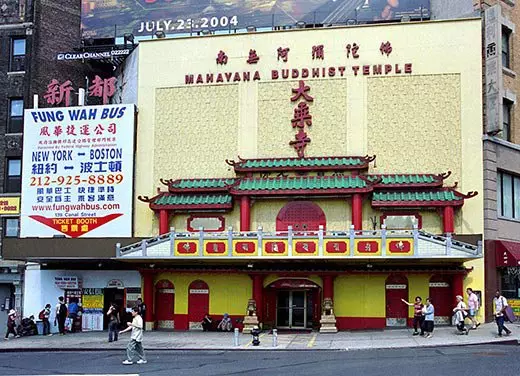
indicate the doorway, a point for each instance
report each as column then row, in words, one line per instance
column 303, row 216
column 396, row 288
column 117, row 296
column 292, row 309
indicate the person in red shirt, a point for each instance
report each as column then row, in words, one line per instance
column 418, row 317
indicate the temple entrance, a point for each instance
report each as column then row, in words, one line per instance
column 302, row 216
column 442, row 298
column 164, row 304
column 295, row 304
column 396, row 288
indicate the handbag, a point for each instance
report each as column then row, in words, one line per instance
column 508, row 312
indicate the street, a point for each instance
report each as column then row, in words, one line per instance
column 470, row 360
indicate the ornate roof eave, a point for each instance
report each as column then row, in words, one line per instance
column 237, row 165
column 172, row 189
column 204, row 207
column 427, row 204
column 437, row 183
column 299, row 192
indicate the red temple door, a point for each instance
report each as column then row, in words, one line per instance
column 396, row 288
column 442, row 299
column 164, row 304
column 302, row 216
column 198, row 303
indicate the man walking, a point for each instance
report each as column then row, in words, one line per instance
column 500, row 304
column 135, row 347
column 473, row 307
column 61, row 315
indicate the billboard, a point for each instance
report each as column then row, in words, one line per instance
column 104, row 18
column 77, row 172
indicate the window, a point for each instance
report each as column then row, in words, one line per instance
column 15, row 119
column 506, row 57
column 508, row 196
column 14, row 175
column 507, row 106
column 11, row 227
column 17, row 55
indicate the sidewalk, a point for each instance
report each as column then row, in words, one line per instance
column 342, row 341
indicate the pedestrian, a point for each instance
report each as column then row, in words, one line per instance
column 142, row 309
column 225, row 324
column 44, row 315
column 206, row 323
column 61, row 315
column 73, row 310
column 135, row 346
column 418, row 317
column 500, row 304
column 429, row 315
column 11, row 325
column 473, row 307
column 460, row 315
column 113, row 322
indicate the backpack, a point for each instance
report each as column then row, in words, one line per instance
column 41, row 315
column 63, row 310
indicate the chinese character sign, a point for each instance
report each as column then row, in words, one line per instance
column 78, row 171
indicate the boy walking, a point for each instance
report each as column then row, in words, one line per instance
column 135, row 347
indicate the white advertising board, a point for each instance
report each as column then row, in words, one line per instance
column 77, row 172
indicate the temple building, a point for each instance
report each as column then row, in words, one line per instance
column 293, row 167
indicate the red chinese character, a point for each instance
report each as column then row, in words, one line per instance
column 302, row 116
column 283, row 53
column 318, row 52
column 386, row 48
column 354, row 48
column 84, row 130
column 99, row 129
column 102, row 88
column 222, row 58
column 56, row 93
column 57, row 130
column 301, row 91
column 71, row 131
column 300, row 143
column 253, row 57
column 112, row 128
column 44, row 131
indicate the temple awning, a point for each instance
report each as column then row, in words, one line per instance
column 301, row 164
column 507, row 253
column 388, row 181
column 443, row 197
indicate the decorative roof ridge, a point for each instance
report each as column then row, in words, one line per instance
column 367, row 158
column 466, row 196
column 150, row 199
column 249, row 178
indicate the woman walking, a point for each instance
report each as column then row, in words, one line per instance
column 113, row 322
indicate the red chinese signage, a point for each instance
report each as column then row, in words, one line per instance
column 301, row 118
column 59, row 93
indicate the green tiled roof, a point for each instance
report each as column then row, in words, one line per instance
column 301, row 162
column 301, row 183
column 445, row 196
column 182, row 200
column 406, row 179
column 200, row 183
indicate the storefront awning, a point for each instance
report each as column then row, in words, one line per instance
column 507, row 253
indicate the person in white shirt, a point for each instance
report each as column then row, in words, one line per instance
column 135, row 347
column 500, row 304
column 460, row 315
column 473, row 306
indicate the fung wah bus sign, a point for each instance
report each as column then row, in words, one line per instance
column 77, row 172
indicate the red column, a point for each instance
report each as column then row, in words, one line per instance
column 448, row 220
column 357, row 211
column 164, row 225
column 457, row 286
column 148, row 278
column 258, row 294
column 245, row 213
column 328, row 286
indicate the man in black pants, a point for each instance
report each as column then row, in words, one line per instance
column 61, row 315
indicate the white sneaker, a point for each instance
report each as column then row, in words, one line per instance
column 127, row 362
column 142, row 361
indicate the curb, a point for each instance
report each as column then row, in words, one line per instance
column 508, row 342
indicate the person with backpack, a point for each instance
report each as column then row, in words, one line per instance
column 44, row 316
column 500, row 304
column 11, row 325
column 61, row 315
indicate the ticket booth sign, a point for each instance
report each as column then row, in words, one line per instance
column 336, row 247
column 275, row 248
column 244, row 248
column 215, row 247
column 399, row 247
column 305, row 247
column 367, row 247
column 186, row 248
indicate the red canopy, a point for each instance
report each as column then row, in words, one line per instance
column 507, row 253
